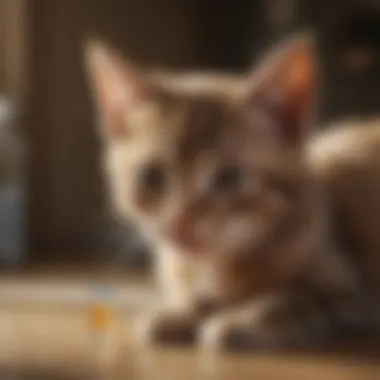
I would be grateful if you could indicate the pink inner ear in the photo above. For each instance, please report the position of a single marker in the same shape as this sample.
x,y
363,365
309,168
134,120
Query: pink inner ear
x,y
302,80
118,85
113,105
116,120
286,92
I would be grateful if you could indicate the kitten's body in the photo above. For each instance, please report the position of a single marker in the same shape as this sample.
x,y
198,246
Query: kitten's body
x,y
213,169
346,159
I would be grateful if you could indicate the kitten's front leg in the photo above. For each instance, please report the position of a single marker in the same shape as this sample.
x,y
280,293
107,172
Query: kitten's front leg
x,y
270,322
171,325
175,319
166,326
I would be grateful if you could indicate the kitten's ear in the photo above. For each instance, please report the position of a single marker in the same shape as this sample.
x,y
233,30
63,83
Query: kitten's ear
x,y
283,88
118,86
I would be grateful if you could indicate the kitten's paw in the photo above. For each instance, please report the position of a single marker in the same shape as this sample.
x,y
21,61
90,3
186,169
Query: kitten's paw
x,y
221,334
173,327
224,333
211,334
285,326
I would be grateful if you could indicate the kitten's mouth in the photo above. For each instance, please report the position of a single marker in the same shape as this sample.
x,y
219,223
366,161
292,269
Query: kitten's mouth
x,y
188,238
206,237
189,243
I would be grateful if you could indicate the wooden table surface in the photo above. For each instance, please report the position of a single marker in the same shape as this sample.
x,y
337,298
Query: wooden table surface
x,y
52,341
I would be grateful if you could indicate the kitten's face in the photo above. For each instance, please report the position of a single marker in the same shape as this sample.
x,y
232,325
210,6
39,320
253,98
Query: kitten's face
x,y
209,163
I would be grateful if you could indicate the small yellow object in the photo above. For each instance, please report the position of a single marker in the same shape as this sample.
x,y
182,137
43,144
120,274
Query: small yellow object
x,y
101,317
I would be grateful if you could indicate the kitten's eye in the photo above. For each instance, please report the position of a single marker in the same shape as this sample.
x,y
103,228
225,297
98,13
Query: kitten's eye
x,y
229,178
152,179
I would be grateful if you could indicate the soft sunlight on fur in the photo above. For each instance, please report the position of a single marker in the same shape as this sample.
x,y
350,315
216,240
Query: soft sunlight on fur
x,y
213,170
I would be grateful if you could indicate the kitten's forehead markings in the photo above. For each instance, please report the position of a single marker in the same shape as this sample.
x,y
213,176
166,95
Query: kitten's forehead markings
x,y
226,86
140,118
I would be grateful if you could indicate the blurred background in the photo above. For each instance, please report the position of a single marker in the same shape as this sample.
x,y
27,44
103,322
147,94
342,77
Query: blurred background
x,y
42,68
54,208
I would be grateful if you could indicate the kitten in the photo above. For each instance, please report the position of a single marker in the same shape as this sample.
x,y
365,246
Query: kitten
x,y
213,170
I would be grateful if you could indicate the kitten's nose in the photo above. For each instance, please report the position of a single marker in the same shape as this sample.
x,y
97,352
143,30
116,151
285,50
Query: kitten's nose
x,y
183,230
